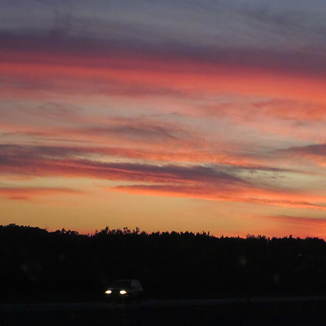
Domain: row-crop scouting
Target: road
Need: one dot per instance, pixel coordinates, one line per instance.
(298, 311)
(152, 303)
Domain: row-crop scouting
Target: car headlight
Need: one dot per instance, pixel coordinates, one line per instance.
(108, 292)
(123, 292)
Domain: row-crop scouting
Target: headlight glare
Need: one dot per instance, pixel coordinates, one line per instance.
(123, 292)
(108, 292)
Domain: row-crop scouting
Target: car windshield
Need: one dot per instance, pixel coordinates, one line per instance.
(121, 284)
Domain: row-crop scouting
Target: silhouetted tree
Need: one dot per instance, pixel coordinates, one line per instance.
(65, 265)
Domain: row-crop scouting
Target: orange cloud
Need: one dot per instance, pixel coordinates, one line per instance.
(233, 193)
(122, 74)
(25, 193)
(291, 96)
(196, 181)
(285, 96)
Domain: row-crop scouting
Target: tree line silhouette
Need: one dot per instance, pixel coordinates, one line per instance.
(37, 265)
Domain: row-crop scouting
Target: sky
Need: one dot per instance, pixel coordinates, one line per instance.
(164, 115)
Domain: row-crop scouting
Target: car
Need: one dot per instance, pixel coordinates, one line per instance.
(124, 290)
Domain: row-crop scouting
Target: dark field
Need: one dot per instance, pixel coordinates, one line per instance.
(277, 311)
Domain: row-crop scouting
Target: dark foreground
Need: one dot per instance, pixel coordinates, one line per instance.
(308, 311)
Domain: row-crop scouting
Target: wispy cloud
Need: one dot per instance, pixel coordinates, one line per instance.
(315, 153)
(196, 181)
(215, 100)
(242, 192)
(29, 193)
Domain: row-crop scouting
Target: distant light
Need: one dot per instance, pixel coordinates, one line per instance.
(123, 292)
(108, 292)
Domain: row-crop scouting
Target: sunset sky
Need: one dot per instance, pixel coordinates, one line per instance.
(179, 115)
